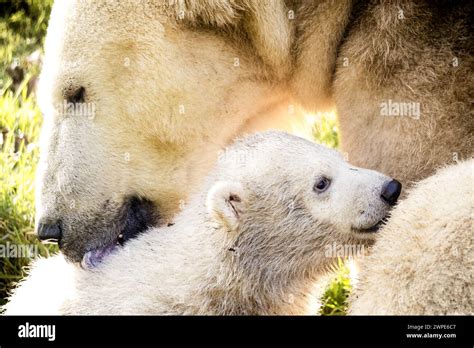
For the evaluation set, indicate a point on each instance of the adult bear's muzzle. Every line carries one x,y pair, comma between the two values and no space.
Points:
100,233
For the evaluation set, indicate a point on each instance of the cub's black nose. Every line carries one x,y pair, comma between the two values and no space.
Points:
50,231
391,191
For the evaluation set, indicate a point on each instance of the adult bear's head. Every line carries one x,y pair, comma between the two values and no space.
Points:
138,97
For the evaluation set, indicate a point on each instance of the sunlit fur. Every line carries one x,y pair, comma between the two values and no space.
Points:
166,100
173,82
253,241
356,55
423,260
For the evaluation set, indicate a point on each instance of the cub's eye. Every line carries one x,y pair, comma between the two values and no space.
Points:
321,184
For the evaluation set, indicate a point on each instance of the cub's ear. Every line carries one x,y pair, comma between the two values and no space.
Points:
226,202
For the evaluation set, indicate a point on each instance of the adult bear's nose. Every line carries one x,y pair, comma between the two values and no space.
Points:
50,231
391,191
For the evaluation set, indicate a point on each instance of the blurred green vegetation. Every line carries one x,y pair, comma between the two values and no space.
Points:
23,26
22,30
338,290
326,131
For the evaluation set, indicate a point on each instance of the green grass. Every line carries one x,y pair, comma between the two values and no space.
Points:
22,28
20,121
326,131
335,297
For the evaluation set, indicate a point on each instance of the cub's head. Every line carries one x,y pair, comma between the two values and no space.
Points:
286,197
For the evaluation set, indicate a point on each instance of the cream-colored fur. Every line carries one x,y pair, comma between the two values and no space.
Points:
406,52
358,55
423,260
173,82
254,241
320,26
168,93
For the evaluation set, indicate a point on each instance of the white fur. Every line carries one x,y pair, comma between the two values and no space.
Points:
173,82
423,260
168,96
253,241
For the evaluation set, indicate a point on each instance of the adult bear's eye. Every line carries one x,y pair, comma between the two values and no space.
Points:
321,184
76,95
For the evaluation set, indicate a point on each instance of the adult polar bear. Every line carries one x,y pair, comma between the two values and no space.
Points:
173,82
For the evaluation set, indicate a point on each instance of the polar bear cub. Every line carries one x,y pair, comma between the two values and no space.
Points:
254,241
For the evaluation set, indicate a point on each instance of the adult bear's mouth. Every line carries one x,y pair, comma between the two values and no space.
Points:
135,216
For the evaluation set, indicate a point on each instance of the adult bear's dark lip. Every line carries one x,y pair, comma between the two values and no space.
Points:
136,215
